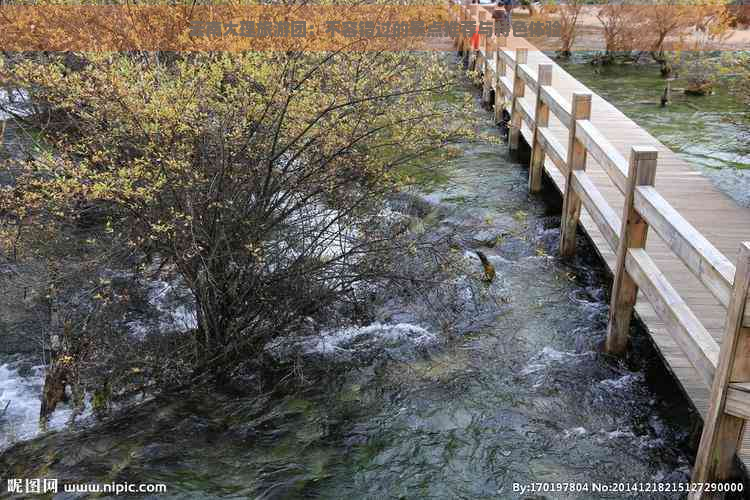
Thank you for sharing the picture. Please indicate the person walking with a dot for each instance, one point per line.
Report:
(508, 5)
(501, 16)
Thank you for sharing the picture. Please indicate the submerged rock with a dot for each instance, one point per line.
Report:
(360, 343)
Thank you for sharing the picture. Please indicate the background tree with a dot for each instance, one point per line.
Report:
(567, 15)
(620, 24)
(670, 26)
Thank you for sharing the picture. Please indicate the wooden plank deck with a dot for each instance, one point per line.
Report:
(724, 223)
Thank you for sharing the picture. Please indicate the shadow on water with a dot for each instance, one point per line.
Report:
(526, 397)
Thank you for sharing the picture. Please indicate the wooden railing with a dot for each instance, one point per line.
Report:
(726, 370)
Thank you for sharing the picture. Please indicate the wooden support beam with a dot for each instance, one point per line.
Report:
(500, 42)
(519, 89)
(527, 113)
(526, 75)
(554, 150)
(463, 39)
(557, 104)
(641, 172)
(507, 57)
(468, 51)
(680, 321)
(738, 400)
(456, 15)
(605, 154)
(489, 51)
(602, 214)
(507, 87)
(499, 72)
(706, 262)
(481, 59)
(541, 119)
(473, 54)
(580, 110)
(722, 432)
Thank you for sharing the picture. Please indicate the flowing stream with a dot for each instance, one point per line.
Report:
(525, 397)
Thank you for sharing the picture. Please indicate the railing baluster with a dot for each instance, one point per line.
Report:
(456, 17)
(499, 71)
(488, 54)
(642, 172)
(477, 19)
(541, 119)
(580, 110)
(459, 38)
(722, 433)
(519, 89)
(466, 39)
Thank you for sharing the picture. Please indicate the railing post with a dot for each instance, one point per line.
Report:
(519, 88)
(499, 71)
(477, 17)
(479, 64)
(459, 37)
(482, 59)
(465, 40)
(722, 433)
(474, 15)
(541, 119)
(580, 110)
(489, 52)
(642, 172)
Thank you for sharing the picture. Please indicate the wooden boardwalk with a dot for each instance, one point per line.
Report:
(713, 214)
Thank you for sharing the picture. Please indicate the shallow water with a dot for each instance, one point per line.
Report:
(404, 410)
(20, 390)
(710, 132)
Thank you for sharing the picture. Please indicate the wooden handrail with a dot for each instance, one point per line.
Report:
(507, 85)
(605, 154)
(601, 212)
(508, 57)
(541, 120)
(706, 262)
(528, 77)
(519, 90)
(553, 149)
(686, 329)
(527, 112)
(557, 104)
(738, 400)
